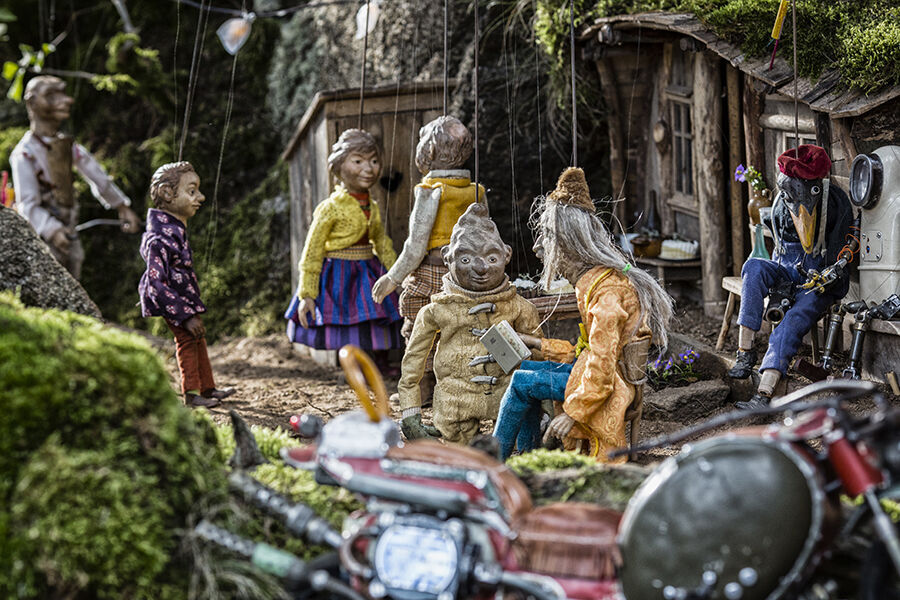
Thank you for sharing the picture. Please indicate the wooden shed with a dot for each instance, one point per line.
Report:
(686, 108)
(393, 113)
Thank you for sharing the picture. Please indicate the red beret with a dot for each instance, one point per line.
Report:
(805, 162)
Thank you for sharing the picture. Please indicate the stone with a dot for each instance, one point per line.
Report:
(29, 270)
(686, 404)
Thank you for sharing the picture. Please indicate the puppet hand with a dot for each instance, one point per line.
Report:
(559, 427)
(414, 429)
(131, 222)
(60, 240)
(384, 286)
(532, 341)
(307, 307)
(195, 326)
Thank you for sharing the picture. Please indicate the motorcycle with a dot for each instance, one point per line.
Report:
(751, 514)
(441, 522)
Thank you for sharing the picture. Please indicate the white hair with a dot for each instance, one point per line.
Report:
(573, 234)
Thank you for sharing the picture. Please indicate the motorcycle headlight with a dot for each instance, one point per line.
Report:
(866, 175)
(417, 559)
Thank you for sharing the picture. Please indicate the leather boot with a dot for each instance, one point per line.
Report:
(743, 365)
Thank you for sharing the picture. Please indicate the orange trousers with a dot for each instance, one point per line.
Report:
(193, 362)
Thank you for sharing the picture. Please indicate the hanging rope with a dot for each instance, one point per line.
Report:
(175, 67)
(192, 77)
(796, 92)
(574, 106)
(537, 101)
(362, 79)
(281, 12)
(446, 56)
(477, 44)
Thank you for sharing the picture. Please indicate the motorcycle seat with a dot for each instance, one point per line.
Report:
(568, 539)
(512, 492)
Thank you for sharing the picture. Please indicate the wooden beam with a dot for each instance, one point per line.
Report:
(738, 228)
(754, 144)
(617, 150)
(709, 177)
(843, 128)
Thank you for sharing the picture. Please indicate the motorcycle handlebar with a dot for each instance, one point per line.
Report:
(299, 518)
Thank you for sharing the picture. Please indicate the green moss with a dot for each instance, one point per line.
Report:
(101, 467)
(861, 37)
(9, 137)
(541, 460)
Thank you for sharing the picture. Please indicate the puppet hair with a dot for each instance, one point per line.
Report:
(574, 234)
(167, 175)
(476, 220)
(352, 140)
(438, 148)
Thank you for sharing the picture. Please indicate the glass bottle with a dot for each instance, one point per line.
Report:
(759, 244)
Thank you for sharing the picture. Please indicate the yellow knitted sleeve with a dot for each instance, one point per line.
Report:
(383, 246)
(314, 249)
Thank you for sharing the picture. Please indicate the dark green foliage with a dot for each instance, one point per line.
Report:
(100, 465)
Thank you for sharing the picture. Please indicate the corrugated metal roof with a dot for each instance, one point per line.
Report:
(822, 95)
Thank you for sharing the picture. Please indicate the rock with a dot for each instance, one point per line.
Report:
(686, 404)
(28, 269)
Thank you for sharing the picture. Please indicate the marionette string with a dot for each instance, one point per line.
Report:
(476, 43)
(362, 77)
(446, 55)
(175, 67)
(281, 12)
(574, 103)
(192, 77)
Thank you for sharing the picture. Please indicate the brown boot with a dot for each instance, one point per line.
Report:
(219, 394)
(195, 401)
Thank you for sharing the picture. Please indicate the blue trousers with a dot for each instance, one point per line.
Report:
(519, 421)
(757, 277)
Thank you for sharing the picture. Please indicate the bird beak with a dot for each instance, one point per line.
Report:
(805, 223)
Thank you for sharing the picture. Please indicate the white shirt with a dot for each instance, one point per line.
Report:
(30, 156)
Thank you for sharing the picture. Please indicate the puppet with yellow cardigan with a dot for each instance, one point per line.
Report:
(619, 305)
(346, 250)
(443, 195)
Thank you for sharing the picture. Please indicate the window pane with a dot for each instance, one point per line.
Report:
(678, 171)
(688, 169)
(676, 117)
(687, 118)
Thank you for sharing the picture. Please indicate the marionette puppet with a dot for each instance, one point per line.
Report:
(811, 218)
(42, 164)
(346, 251)
(477, 295)
(169, 287)
(622, 308)
(445, 192)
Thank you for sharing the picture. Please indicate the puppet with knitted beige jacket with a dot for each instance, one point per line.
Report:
(619, 305)
(476, 295)
(444, 193)
(346, 250)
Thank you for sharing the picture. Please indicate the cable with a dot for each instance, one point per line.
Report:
(281, 12)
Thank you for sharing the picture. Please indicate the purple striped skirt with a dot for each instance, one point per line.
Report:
(345, 312)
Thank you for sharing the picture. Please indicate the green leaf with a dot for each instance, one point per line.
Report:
(6, 15)
(26, 49)
(9, 70)
(48, 48)
(17, 87)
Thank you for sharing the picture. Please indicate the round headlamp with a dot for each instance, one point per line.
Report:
(418, 562)
(866, 176)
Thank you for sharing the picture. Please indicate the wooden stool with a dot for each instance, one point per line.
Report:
(733, 286)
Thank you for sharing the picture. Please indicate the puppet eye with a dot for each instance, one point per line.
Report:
(815, 190)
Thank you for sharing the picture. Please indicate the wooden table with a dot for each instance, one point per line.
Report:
(671, 270)
(556, 307)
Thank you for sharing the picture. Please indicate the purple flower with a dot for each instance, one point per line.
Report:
(740, 174)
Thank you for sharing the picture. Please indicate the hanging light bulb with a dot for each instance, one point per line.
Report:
(234, 32)
(374, 9)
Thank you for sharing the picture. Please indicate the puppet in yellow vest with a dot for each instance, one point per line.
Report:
(476, 295)
(619, 304)
(443, 195)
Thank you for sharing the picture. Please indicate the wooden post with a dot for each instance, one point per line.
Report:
(617, 149)
(708, 177)
(753, 134)
(823, 132)
(738, 221)
(843, 128)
